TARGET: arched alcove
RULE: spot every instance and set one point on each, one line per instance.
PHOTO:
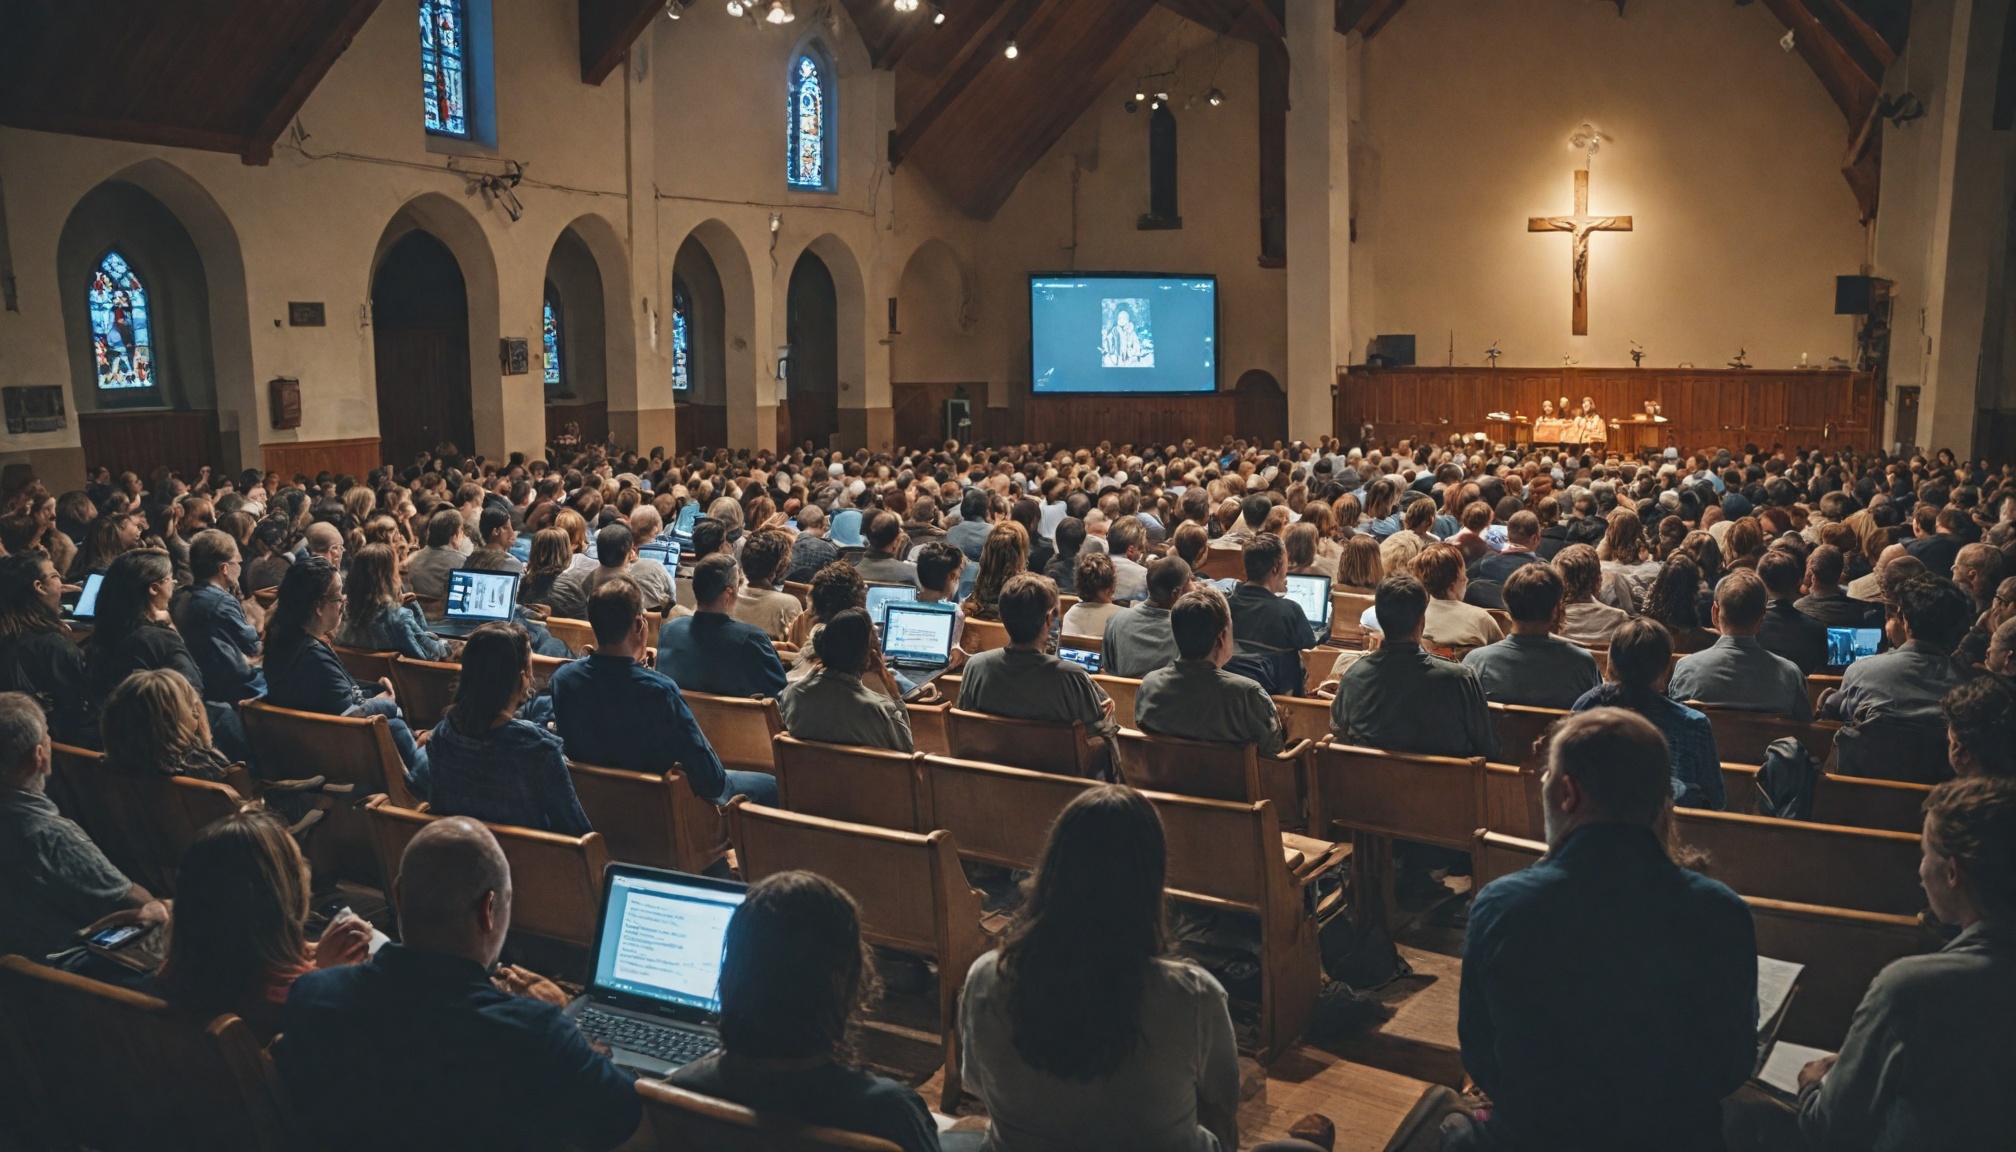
(936, 351)
(1261, 414)
(745, 390)
(812, 329)
(406, 361)
(580, 394)
(420, 317)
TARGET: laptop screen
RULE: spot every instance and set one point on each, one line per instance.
(1312, 593)
(662, 550)
(683, 526)
(1847, 645)
(521, 549)
(661, 936)
(1085, 658)
(87, 600)
(880, 596)
(481, 595)
(918, 634)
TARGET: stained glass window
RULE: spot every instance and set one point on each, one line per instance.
(551, 337)
(121, 337)
(682, 318)
(444, 71)
(809, 163)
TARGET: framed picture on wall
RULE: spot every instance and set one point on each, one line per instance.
(515, 352)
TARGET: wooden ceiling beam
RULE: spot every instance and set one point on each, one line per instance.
(975, 54)
(1365, 17)
(1872, 41)
(303, 71)
(1854, 91)
(608, 29)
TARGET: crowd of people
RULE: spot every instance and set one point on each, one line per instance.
(1083, 1029)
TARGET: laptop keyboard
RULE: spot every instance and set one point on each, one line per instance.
(673, 1045)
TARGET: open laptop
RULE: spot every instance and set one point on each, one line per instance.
(917, 638)
(1085, 658)
(654, 995)
(682, 527)
(880, 596)
(1847, 645)
(1312, 595)
(664, 550)
(521, 549)
(480, 597)
(87, 600)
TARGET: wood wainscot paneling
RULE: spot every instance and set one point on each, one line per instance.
(141, 441)
(701, 426)
(919, 411)
(1726, 408)
(1138, 420)
(592, 416)
(310, 457)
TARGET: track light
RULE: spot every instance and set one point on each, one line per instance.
(1161, 97)
(736, 8)
(780, 12)
(905, 5)
(1011, 51)
(939, 17)
(1215, 96)
(1140, 97)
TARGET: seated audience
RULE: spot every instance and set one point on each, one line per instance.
(811, 551)
(1825, 601)
(1925, 618)
(304, 673)
(427, 570)
(59, 886)
(1675, 603)
(1127, 546)
(155, 724)
(551, 558)
(446, 1055)
(1062, 568)
(1140, 640)
(795, 979)
(975, 524)
(1023, 681)
(495, 529)
(1451, 623)
(880, 563)
(1094, 581)
(1195, 698)
(212, 621)
(1786, 631)
(375, 616)
(37, 656)
(1002, 558)
(654, 581)
(711, 651)
(1522, 538)
(1585, 620)
(832, 704)
(1404, 698)
(1359, 568)
(760, 602)
(1638, 657)
(1609, 995)
(1981, 727)
(1737, 671)
(237, 942)
(132, 630)
(940, 567)
(484, 762)
(1927, 1062)
(1264, 622)
(2001, 655)
(1532, 666)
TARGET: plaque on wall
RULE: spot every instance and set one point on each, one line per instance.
(516, 355)
(34, 409)
(305, 314)
(284, 401)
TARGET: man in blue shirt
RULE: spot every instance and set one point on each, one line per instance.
(447, 1056)
(711, 651)
(213, 622)
(614, 712)
(1532, 666)
(1737, 671)
(974, 524)
(1609, 996)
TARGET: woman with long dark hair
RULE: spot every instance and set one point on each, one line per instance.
(484, 762)
(795, 979)
(1004, 553)
(132, 630)
(1674, 601)
(1640, 652)
(37, 657)
(1081, 1031)
(375, 616)
(304, 673)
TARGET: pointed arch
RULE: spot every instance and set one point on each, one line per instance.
(748, 397)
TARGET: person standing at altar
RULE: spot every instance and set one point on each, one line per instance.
(1587, 427)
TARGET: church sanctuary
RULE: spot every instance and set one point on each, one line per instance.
(1007, 575)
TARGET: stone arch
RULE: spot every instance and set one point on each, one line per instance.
(464, 237)
(590, 271)
(750, 391)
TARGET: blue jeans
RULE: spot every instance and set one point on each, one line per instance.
(410, 752)
(760, 787)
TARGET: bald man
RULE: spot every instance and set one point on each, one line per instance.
(323, 539)
(447, 1055)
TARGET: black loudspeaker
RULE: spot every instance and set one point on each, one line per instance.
(1854, 295)
(1390, 351)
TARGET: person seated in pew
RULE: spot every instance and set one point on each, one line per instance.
(498, 535)
(1587, 620)
(212, 621)
(133, 630)
(1981, 727)
(833, 705)
(1004, 556)
(375, 617)
(1786, 631)
(760, 602)
(2001, 656)
(154, 724)
(1737, 671)
(1402, 697)
(1195, 698)
(1927, 1062)
(1532, 666)
(1638, 657)
(304, 673)
(37, 656)
(795, 981)
(711, 651)
(427, 570)
(1522, 537)
(484, 762)
(613, 710)
(1609, 996)
(1127, 545)
(940, 568)
(238, 940)
(1451, 623)
(1824, 600)
(1270, 630)
(653, 579)
(882, 562)
(59, 885)
(1924, 620)
(811, 550)
(440, 1053)
(1023, 681)
(1140, 640)
(710, 538)
(1094, 580)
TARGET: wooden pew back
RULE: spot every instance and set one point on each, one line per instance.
(1519, 730)
(576, 634)
(650, 818)
(144, 823)
(1121, 690)
(843, 782)
(1861, 803)
(739, 728)
(999, 815)
(1742, 737)
(1807, 863)
(556, 881)
(1191, 767)
(1304, 718)
(366, 667)
(426, 688)
(679, 1120)
(355, 750)
(983, 636)
(1032, 744)
(1433, 799)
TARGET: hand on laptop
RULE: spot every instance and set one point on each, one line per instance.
(522, 982)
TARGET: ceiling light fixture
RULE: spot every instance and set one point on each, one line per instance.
(780, 12)
(939, 18)
(1011, 51)
(905, 5)
(1161, 97)
(736, 8)
(1215, 96)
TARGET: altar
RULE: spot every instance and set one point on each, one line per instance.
(1696, 408)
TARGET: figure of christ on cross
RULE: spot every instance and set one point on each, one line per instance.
(1579, 226)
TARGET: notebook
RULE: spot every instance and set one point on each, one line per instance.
(918, 637)
(480, 597)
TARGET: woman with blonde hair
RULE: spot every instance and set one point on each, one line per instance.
(154, 724)
(575, 527)
(1349, 512)
(1301, 541)
(1003, 554)
(1319, 516)
(1359, 568)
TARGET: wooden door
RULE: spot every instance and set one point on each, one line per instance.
(423, 391)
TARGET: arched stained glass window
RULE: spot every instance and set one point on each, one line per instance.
(809, 164)
(550, 333)
(122, 340)
(444, 65)
(682, 326)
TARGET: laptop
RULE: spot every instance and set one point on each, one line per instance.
(917, 638)
(480, 597)
(1085, 658)
(1312, 595)
(682, 527)
(880, 596)
(653, 996)
(521, 549)
(87, 600)
(1847, 645)
(664, 551)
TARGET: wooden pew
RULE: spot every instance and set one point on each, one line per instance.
(1742, 737)
(1378, 797)
(1818, 684)
(1223, 563)
(927, 726)
(651, 818)
(366, 667)
(912, 892)
(677, 1120)
(576, 634)
(1316, 665)
(982, 636)
(802, 591)
(1121, 690)
(1083, 643)
(426, 688)
(739, 728)
(844, 782)
(1235, 772)
(143, 823)
(1807, 863)
(108, 1068)
(353, 750)
(556, 881)
(1519, 730)
(1032, 744)
(1304, 718)
(1512, 800)
(1346, 609)
(543, 668)
(1847, 800)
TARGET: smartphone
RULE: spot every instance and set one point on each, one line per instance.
(117, 936)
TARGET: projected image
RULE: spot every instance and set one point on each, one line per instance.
(1126, 336)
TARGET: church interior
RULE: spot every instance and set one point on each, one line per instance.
(1734, 270)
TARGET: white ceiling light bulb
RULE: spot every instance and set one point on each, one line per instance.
(905, 5)
(735, 8)
(1012, 51)
(939, 18)
(1215, 96)
(780, 12)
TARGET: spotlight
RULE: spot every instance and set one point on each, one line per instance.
(1155, 106)
(939, 18)
(1215, 96)
(1011, 51)
(780, 12)
(672, 10)
(735, 8)
(1161, 97)
(905, 5)
(1140, 97)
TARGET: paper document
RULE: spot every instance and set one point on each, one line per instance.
(1781, 1067)
(1775, 979)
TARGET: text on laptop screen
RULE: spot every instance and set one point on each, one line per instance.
(662, 939)
(1312, 594)
(1847, 645)
(87, 601)
(880, 596)
(918, 633)
(481, 595)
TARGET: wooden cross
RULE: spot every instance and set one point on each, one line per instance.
(1579, 226)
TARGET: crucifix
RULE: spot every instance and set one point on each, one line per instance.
(1579, 226)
